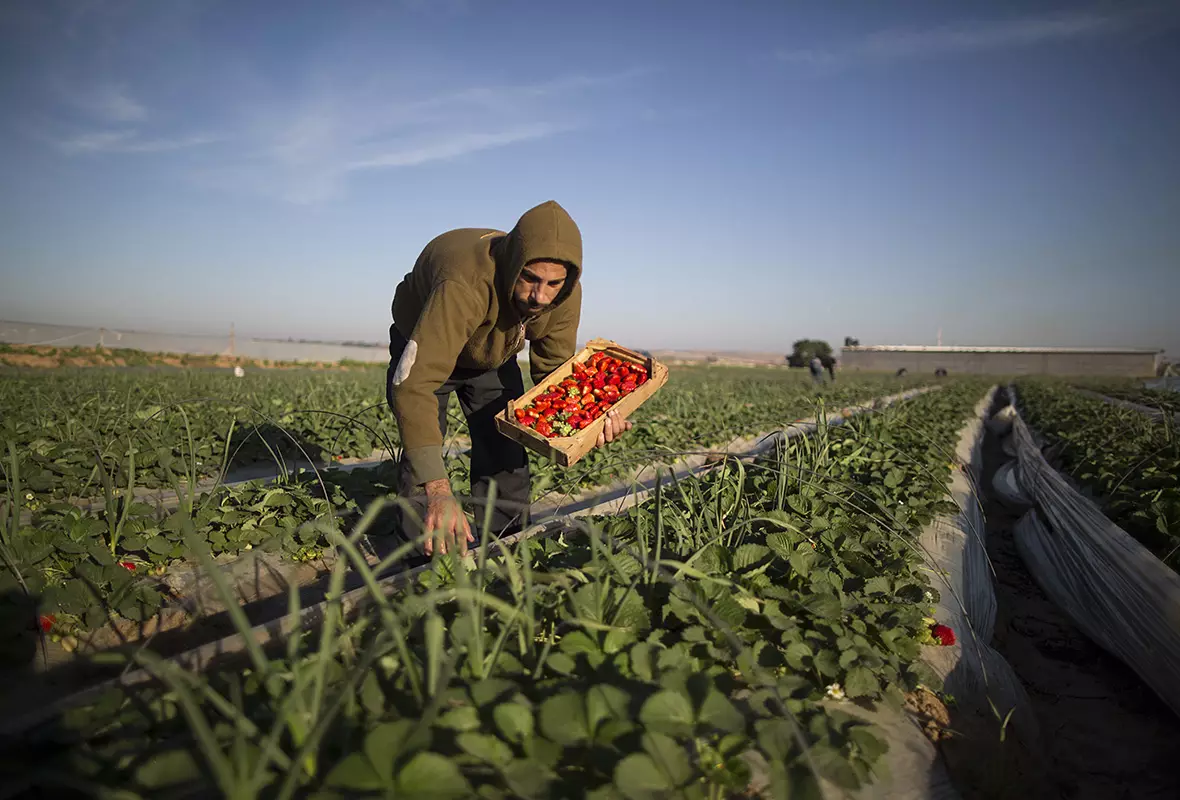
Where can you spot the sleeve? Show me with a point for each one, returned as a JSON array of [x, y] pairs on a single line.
[[448, 319], [559, 341]]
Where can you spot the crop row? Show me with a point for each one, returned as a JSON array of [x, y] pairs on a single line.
[[1129, 462], [1133, 391], [83, 564], [703, 643], [67, 433]]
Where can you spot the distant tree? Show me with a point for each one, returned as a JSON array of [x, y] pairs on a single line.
[[806, 349], [850, 342]]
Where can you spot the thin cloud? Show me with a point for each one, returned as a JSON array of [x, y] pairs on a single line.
[[980, 36], [305, 149], [111, 103], [453, 147], [125, 141]]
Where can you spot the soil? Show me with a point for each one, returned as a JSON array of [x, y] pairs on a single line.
[[27, 360], [47, 357], [1105, 735]]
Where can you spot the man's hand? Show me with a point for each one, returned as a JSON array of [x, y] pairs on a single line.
[[445, 515], [613, 429]]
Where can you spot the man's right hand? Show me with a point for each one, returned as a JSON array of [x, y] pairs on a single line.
[[445, 519]]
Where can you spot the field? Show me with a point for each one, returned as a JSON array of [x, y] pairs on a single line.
[[723, 631], [1129, 461]]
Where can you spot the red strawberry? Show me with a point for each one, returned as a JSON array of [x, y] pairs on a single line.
[[46, 622], [127, 565], [944, 635]]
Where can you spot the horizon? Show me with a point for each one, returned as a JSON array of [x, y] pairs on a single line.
[[996, 174]]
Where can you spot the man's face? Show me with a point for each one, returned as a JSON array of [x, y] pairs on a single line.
[[538, 286]]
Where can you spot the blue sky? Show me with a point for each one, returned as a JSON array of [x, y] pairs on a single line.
[[744, 174]]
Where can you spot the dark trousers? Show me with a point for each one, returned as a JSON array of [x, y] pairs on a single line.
[[482, 395]]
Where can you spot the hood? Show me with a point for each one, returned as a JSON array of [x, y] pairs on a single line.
[[543, 233]]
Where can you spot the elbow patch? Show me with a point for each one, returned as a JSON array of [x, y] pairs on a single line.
[[405, 363]]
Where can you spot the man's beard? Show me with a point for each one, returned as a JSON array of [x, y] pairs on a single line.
[[529, 310]]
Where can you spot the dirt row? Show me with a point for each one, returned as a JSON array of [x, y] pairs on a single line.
[[1104, 734]]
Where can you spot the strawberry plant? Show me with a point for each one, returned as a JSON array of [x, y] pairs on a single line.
[[1130, 463], [698, 645]]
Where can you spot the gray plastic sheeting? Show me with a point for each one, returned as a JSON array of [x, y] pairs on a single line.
[[972, 671], [1118, 593]]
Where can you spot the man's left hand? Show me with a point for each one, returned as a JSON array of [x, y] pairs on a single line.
[[613, 429]]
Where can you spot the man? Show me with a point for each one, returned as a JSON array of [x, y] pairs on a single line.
[[829, 363], [460, 317], [817, 370]]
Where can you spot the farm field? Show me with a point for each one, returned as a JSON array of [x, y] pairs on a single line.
[[105, 435], [1133, 391], [713, 637], [1128, 461]]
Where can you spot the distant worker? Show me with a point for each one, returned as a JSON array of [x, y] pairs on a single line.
[[830, 365], [817, 369], [940, 373], [460, 317], [901, 373]]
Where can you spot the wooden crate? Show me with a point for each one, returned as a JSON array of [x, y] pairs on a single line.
[[567, 450]]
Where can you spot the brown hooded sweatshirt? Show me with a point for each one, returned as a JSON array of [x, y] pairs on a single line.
[[455, 309]]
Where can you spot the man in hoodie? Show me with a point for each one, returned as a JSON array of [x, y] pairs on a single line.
[[460, 317]]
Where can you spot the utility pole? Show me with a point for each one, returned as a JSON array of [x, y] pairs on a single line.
[[102, 335], [231, 339], [940, 337]]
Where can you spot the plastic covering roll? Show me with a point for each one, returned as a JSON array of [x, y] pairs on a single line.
[[1117, 593], [1007, 486], [1001, 421], [979, 677]]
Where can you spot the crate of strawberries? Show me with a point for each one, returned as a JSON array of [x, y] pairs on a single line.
[[562, 416]]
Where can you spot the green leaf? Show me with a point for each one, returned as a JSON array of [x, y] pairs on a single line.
[[561, 663], [642, 662], [385, 743], [463, 718], [563, 718], [718, 711], [514, 721], [527, 778], [160, 545], [355, 772], [869, 743], [168, 769], [797, 654], [430, 775], [485, 747], [576, 642], [638, 778], [802, 558], [860, 682], [748, 555], [604, 702], [894, 477], [669, 757], [667, 712]]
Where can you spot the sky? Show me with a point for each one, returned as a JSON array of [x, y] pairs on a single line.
[[744, 174]]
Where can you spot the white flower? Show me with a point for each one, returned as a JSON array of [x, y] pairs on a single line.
[[835, 692], [929, 597], [28, 495]]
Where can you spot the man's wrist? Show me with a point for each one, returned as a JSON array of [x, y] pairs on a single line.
[[438, 488]]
